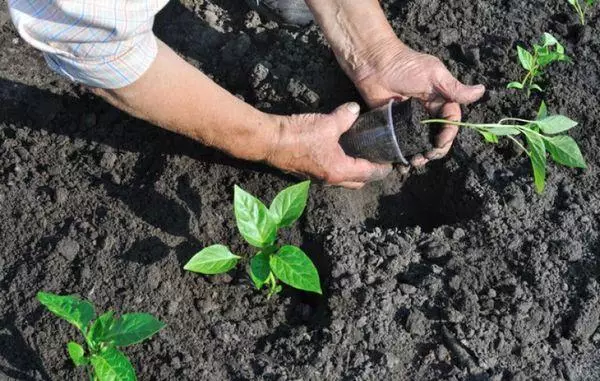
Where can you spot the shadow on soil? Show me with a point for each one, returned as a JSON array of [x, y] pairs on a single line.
[[428, 200], [21, 359]]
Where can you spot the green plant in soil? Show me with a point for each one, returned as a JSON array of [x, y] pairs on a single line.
[[103, 336], [543, 136], [258, 225], [535, 62], [582, 10]]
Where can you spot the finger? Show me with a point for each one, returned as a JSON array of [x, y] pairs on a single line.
[[418, 161], [351, 185], [455, 91], [345, 116], [360, 170], [452, 112], [445, 137]]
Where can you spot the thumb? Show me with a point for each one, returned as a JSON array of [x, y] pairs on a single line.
[[455, 91], [345, 116]]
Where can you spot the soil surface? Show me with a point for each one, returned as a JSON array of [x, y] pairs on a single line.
[[456, 272]]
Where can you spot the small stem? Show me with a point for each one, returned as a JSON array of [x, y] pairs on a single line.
[[519, 144], [524, 82], [516, 120], [272, 284], [461, 124], [470, 125]]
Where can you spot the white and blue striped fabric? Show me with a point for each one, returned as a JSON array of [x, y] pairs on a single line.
[[99, 43]]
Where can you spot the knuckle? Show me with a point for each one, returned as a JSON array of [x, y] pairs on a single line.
[[333, 177]]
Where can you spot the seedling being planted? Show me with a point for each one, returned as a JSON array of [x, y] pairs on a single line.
[[543, 55], [582, 10], [259, 225], [103, 335], [542, 136]]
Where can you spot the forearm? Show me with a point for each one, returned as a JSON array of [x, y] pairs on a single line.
[[357, 31], [176, 96]]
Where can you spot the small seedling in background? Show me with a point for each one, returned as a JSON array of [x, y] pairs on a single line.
[[259, 225], [103, 334], [543, 55], [582, 10], [542, 136]]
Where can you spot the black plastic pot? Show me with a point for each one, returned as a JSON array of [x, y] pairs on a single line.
[[389, 134]]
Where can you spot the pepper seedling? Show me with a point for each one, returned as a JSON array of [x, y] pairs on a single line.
[[542, 136], [582, 10], [103, 335], [543, 55], [259, 225]]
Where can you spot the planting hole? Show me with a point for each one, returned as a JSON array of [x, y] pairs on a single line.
[[429, 200]]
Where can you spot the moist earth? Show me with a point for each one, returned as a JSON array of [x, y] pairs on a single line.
[[413, 137], [458, 271]]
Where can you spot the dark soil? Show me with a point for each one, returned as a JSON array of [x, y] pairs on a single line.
[[457, 272], [412, 136]]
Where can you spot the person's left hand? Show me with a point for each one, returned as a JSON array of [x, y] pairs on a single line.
[[394, 71]]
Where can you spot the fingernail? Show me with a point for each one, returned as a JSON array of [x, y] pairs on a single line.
[[354, 108]]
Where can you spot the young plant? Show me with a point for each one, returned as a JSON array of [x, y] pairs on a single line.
[[543, 55], [582, 10], [103, 335], [542, 136], [258, 225]]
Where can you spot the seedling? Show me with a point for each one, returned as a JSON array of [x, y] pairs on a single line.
[[259, 225], [582, 10], [543, 55], [103, 335], [542, 136]]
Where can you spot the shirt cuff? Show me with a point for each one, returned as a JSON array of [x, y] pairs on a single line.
[[112, 72]]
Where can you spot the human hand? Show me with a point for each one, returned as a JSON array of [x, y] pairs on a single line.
[[308, 145], [394, 71]]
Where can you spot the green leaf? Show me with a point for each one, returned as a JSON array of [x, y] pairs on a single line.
[[75, 311], [100, 327], [535, 86], [564, 150], [549, 40], [555, 124], [260, 269], [572, 2], [112, 365], [537, 154], [129, 329], [294, 268], [289, 204], [215, 259], [548, 58], [253, 219], [76, 353], [515, 85], [489, 137], [503, 131], [525, 58], [542, 112]]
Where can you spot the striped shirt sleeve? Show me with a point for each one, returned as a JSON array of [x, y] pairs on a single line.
[[99, 43]]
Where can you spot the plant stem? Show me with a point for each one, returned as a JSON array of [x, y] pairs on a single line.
[[464, 124], [516, 120], [484, 126], [272, 284], [518, 143], [582, 12]]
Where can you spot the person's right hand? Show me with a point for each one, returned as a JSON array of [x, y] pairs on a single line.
[[308, 146]]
